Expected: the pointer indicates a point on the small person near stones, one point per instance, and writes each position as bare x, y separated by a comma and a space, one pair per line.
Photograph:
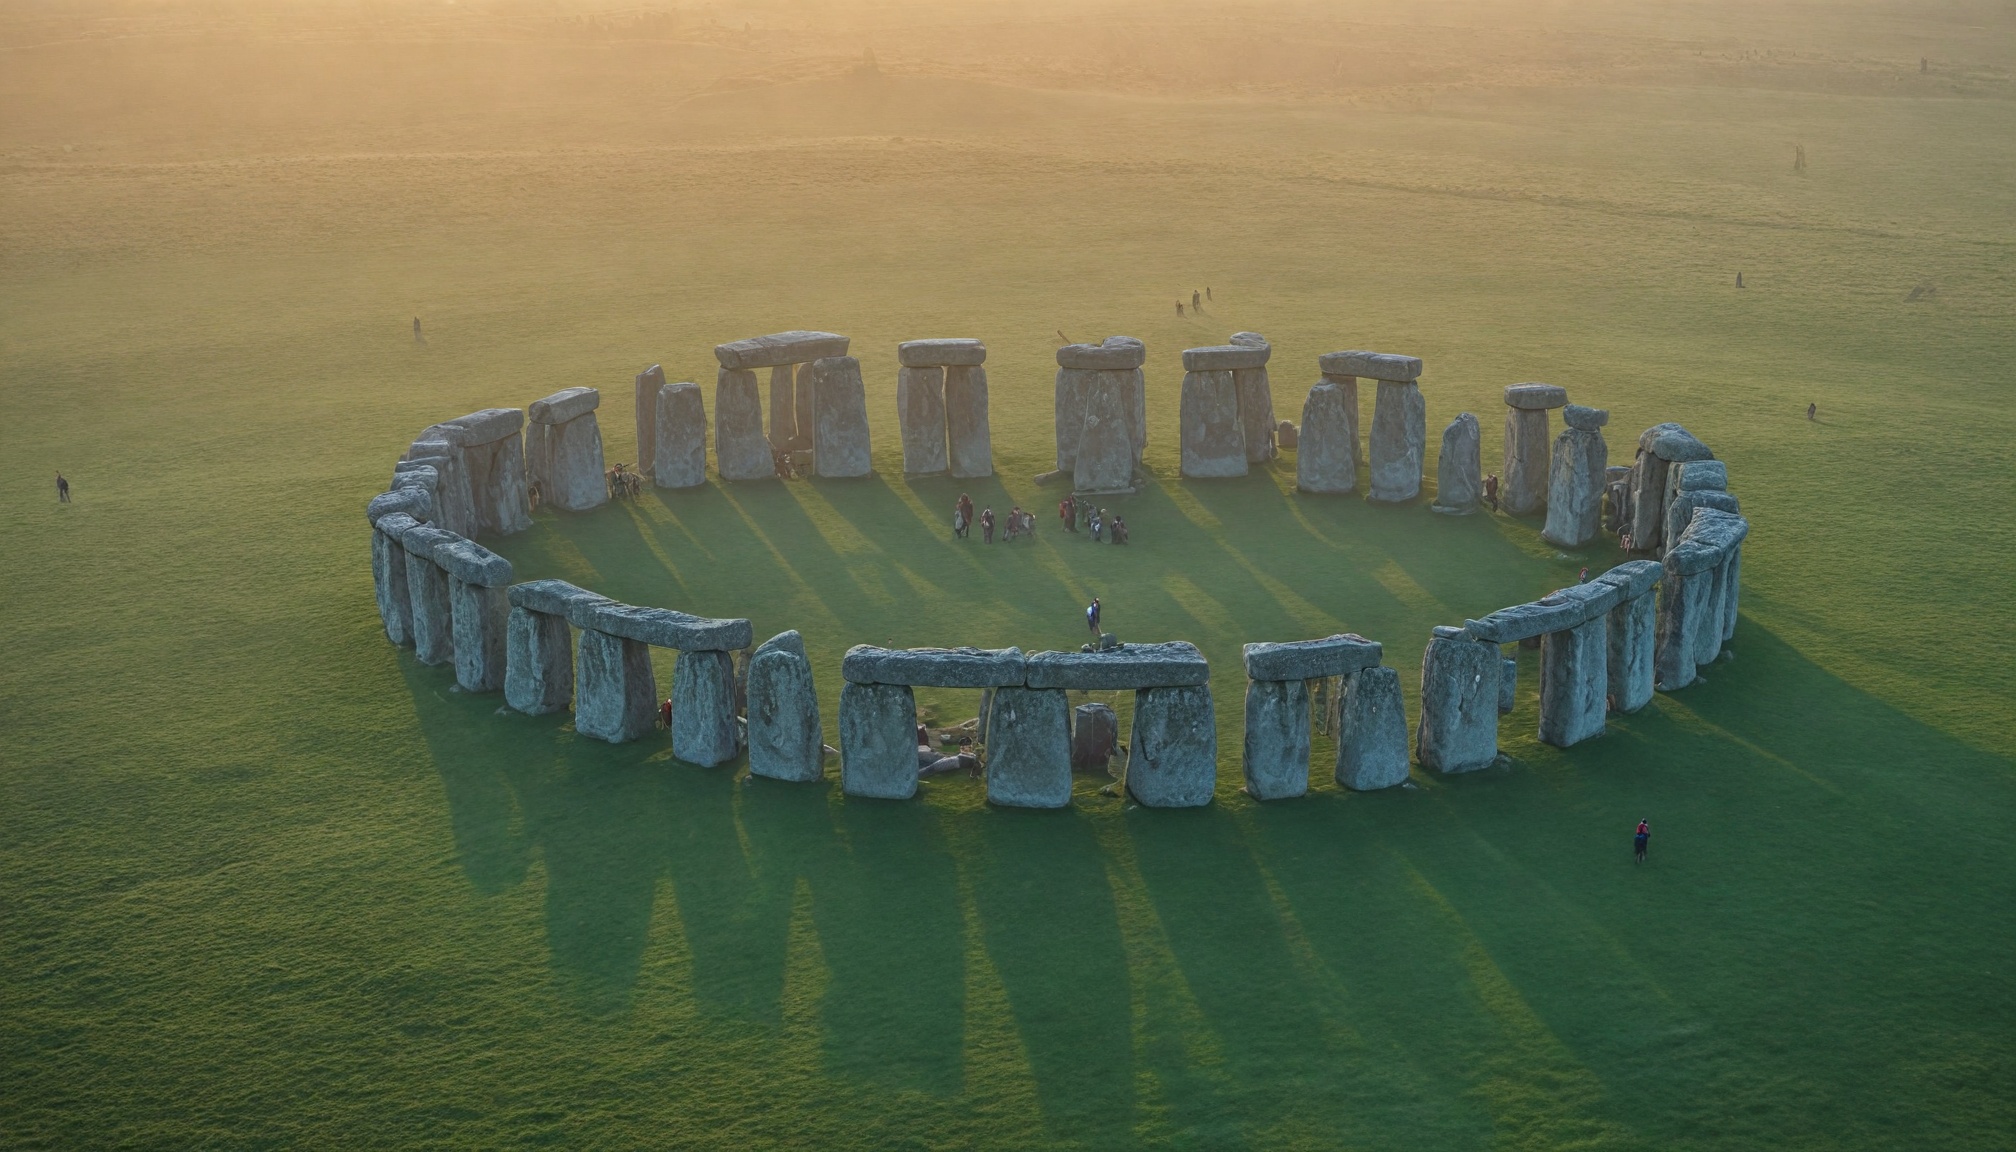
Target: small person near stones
1638, 840
1583, 578
532, 494
1067, 511
1098, 525
1812, 411
1092, 616
1491, 491
987, 525
962, 517
665, 714
62, 489
1119, 529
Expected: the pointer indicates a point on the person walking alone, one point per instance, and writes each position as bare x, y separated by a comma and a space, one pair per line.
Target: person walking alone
1092, 616
665, 714
1638, 840
62, 489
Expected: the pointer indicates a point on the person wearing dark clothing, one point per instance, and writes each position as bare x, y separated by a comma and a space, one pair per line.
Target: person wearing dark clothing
1179, 309
1491, 491
62, 489
987, 525
962, 516
1638, 840
1092, 616
1196, 301
665, 714
417, 337
1119, 530
1067, 511
1207, 293
1812, 411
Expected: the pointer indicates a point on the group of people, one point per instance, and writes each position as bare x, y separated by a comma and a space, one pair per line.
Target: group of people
1196, 302
1019, 523
1103, 527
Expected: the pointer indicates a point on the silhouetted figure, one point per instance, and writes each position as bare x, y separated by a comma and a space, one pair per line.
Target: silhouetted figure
1179, 308
1739, 279
1798, 158
987, 525
1118, 530
417, 337
1924, 64
1491, 491
1207, 292
1092, 616
62, 489
1067, 511
1196, 301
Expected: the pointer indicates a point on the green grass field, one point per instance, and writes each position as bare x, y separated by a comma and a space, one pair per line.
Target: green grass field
265, 881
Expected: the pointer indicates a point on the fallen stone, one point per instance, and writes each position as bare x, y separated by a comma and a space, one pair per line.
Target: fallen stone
1575, 488
1586, 419
1522, 488
969, 440
784, 434
1459, 705
471, 563
1508, 686
649, 382
1213, 442
704, 731
1172, 755
1256, 413
1630, 641
741, 451
1029, 748
538, 662
794, 347
658, 627
1399, 442
1338, 655
1555, 612
839, 419
1326, 462
878, 741
616, 692
1574, 684
1535, 397
1095, 737
1459, 471
1134, 666
576, 480
1673, 444
920, 417
1371, 731
1115, 353
388, 584
1104, 461
681, 452
940, 353
414, 502
1226, 357
477, 618
1072, 384
564, 405
1375, 365
1276, 760
933, 667
784, 738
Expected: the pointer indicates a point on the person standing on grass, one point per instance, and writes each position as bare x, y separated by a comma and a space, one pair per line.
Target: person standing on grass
1092, 616
1812, 411
665, 714
62, 489
1638, 840
1491, 491
1179, 309
987, 525
1067, 511
1196, 301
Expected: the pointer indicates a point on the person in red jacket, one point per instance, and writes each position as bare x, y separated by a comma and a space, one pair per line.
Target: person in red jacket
665, 714
1638, 840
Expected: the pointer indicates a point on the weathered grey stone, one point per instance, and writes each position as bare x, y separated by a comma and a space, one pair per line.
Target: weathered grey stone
427, 586
616, 692
408, 473
741, 451
539, 455
1338, 655
1535, 397
564, 405
1633, 578
1286, 435
414, 502
1172, 755
1574, 684
1508, 686
1095, 737
1673, 444
388, 582
1326, 462
680, 457
920, 416
477, 617
1252, 339
1522, 487
454, 509
795, 347
549, 596
784, 435
483, 427
1459, 471
1630, 640
1575, 488
703, 708
1256, 412
1371, 731
659, 627
576, 482
649, 382
1586, 419
1680, 509
1137, 411
1213, 441
839, 419
1616, 500
1136, 666
784, 734
1717, 529
878, 741
1697, 476
1645, 510
933, 667
396, 525
1276, 760
1728, 587
1115, 353
969, 439
1399, 442
1686, 601
538, 662
1459, 705
472, 563
496, 474
942, 353
1104, 461
1375, 365
1029, 748
803, 383
1557, 611
1072, 384
1226, 357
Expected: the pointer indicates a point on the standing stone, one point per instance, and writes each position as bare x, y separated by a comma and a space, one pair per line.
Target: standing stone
920, 413
1371, 731
1172, 756
970, 441
741, 451
1508, 686
1072, 384
1213, 442
1137, 411
477, 617
878, 741
803, 381
1276, 761
681, 455
1327, 460
1399, 441
703, 708
1459, 703
1256, 412
1104, 461
1728, 583
784, 735
616, 692
1095, 737
1522, 489
1680, 508
575, 481
1574, 681
1459, 471
1659, 447
1029, 750
432, 615
1631, 636
538, 662
839, 419
1616, 498
1686, 599
1286, 435
1575, 488
649, 382
388, 580
783, 406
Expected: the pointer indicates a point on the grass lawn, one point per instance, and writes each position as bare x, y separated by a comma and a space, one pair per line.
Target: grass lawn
265, 881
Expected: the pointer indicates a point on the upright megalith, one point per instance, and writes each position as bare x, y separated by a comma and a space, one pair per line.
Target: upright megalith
941, 407
539, 647
1326, 457
1459, 703
649, 382
431, 610
704, 731
616, 695
477, 607
481, 461
616, 691
1578, 473
1459, 471
680, 460
780, 348
389, 521
1698, 578
1371, 731
564, 450
878, 741
1570, 625
741, 451
1631, 634
839, 419
1213, 443
873, 674
1399, 439
920, 412
1104, 462
1659, 448
969, 438
784, 733
1172, 755
1095, 737
1029, 747
1256, 399
1276, 760
1523, 485
1099, 412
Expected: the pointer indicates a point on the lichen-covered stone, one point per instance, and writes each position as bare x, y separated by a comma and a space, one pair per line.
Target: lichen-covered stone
878, 741
538, 662
1459, 705
1459, 471
1029, 748
477, 617
1557, 611
1276, 760
969, 439
1326, 460
784, 733
1673, 444
1115, 353
1172, 755
1574, 684
920, 415
1698, 476
681, 453
414, 502
1373, 365
1575, 488
1225, 357
1536, 397
941, 353
794, 347
549, 596
659, 627
564, 405
741, 451
1256, 412
1399, 442
388, 582
703, 708
1371, 731
483, 427
1104, 461
1631, 633
840, 447
1338, 655
1680, 508
1135, 666
576, 478
1213, 441
1137, 411
1522, 487
616, 691
649, 382
427, 585
1586, 419
934, 667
